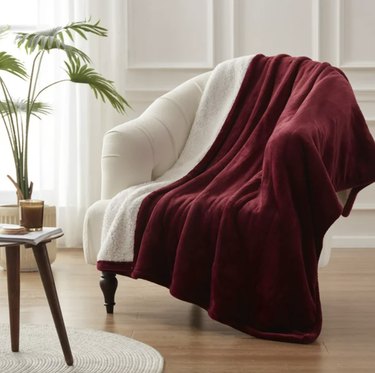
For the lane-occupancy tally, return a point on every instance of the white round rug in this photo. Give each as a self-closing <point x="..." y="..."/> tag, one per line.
<point x="93" y="352"/>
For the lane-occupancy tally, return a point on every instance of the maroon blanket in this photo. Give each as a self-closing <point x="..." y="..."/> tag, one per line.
<point x="241" y="234"/>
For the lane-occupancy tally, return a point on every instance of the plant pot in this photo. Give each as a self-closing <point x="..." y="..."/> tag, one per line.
<point x="9" y="214"/>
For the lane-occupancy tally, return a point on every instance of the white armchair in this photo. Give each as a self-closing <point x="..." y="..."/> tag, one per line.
<point x="143" y="149"/>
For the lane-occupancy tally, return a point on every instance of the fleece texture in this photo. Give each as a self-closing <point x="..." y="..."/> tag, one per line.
<point x="241" y="233"/>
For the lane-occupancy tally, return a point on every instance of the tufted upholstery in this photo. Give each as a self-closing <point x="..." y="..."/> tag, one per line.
<point x="144" y="148"/>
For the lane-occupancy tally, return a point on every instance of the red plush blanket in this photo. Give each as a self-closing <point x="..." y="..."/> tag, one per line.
<point x="241" y="234"/>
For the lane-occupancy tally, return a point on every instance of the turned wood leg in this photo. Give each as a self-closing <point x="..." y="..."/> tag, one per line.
<point x="44" y="266"/>
<point x="108" y="284"/>
<point x="13" y="278"/>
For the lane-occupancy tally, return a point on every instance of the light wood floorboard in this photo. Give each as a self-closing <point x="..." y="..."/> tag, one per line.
<point x="192" y="342"/>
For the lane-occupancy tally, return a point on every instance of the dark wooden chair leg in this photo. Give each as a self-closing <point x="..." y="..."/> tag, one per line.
<point x="108" y="284"/>
<point x="13" y="277"/>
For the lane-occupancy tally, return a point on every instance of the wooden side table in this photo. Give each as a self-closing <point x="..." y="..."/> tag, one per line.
<point x="12" y="250"/>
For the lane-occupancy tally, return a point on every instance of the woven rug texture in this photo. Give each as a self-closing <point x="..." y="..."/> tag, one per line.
<point x="93" y="352"/>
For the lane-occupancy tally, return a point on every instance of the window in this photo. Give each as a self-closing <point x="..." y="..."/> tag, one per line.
<point x="26" y="20"/>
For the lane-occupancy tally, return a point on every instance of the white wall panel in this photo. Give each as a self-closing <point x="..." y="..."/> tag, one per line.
<point x="366" y="101"/>
<point x="371" y="124"/>
<point x="365" y="200"/>
<point x="356" y="25"/>
<point x="357" y="230"/>
<point x="170" y="33"/>
<point x="361" y="79"/>
<point x="329" y="30"/>
<point x="272" y="27"/>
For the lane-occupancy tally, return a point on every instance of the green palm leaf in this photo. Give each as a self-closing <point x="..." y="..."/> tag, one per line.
<point x="3" y="30"/>
<point x="12" y="65"/>
<point x="101" y="87"/>
<point x="16" y="114"/>
<point x="54" y="38"/>
<point x="48" y="40"/>
<point x="44" y="39"/>
<point x="20" y="106"/>
<point x="84" y="27"/>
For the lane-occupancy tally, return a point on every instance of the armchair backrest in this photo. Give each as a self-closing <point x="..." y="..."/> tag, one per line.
<point x="142" y="149"/>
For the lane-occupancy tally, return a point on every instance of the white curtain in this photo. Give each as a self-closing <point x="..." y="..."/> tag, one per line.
<point x="72" y="138"/>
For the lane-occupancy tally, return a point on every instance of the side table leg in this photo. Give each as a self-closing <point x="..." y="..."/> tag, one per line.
<point x="44" y="266"/>
<point x="13" y="278"/>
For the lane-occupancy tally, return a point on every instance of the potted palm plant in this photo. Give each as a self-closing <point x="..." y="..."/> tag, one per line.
<point x="17" y="112"/>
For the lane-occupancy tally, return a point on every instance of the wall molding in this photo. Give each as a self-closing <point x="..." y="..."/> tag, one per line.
<point x="235" y="28"/>
<point x="365" y="94"/>
<point x="316" y="32"/>
<point x="353" y="242"/>
<point x="364" y="206"/>
<point x="341" y="13"/>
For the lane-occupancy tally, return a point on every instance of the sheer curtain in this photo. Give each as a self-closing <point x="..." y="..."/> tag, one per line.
<point x="70" y="160"/>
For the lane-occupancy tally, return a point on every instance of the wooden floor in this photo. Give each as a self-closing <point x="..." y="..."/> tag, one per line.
<point x="191" y="342"/>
